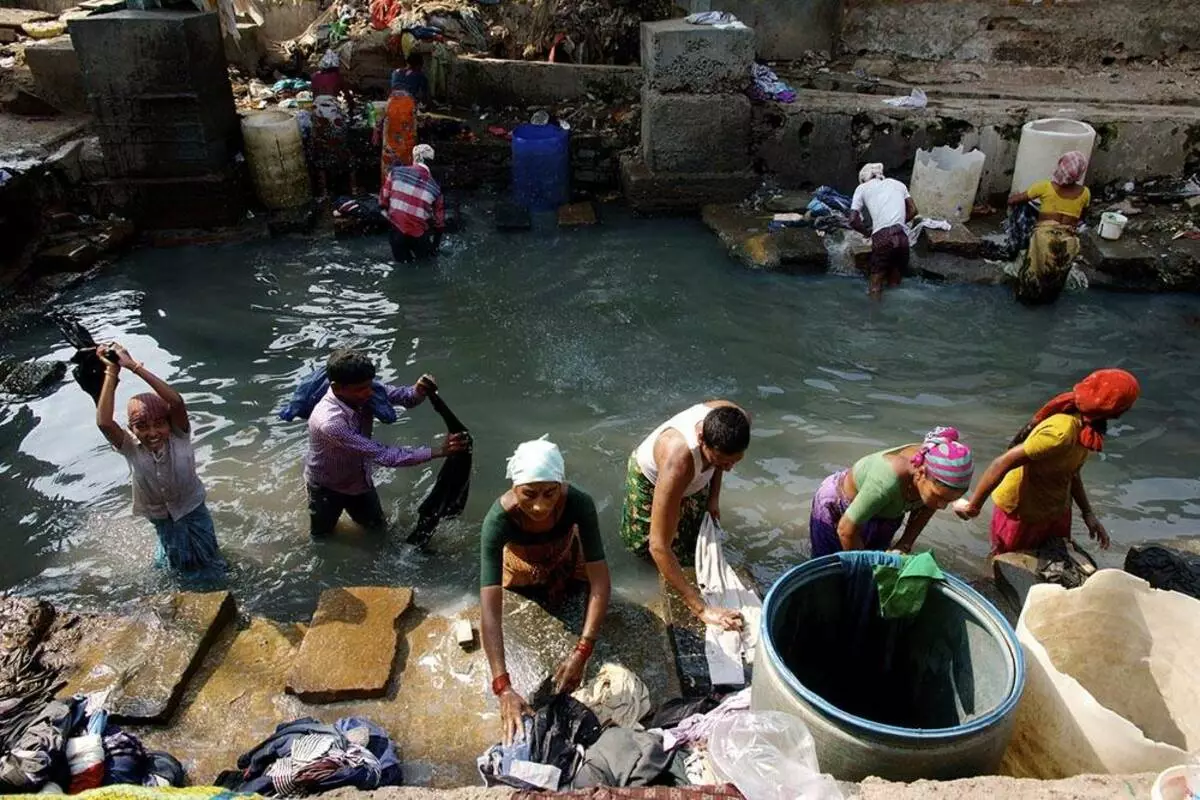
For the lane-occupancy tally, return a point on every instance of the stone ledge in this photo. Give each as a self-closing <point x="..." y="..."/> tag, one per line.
<point x="652" y="192"/>
<point x="695" y="132"/>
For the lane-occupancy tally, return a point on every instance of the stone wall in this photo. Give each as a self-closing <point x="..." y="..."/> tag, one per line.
<point x="1048" y="32"/>
<point x="496" y="82"/>
<point x="786" y="29"/>
<point x="826" y="136"/>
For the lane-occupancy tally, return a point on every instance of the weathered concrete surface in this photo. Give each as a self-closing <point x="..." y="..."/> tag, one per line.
<point x="14" y="18"/>
<point x="1083" y="787"/>
<point x="785" y="29"/>
<point x="55" y="69"/>
<point x="1125" y="263"/>
<point x="949" y="268"/>
<point x="30" y="377"/>
<point x="695" y="133"/>
<point x="350" y="647"/>
<point x="745" y="233"/>
<point x="999" y="30"/>
<point x="146" y="658"/>
<point x="696" y="59"/>
<point x="659" y="192"/>
<point x="285" y="19"/>
<point x="824" y="137"/>
<point x="497" y="82"/>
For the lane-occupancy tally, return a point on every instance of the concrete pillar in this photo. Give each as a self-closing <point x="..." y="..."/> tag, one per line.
<point x="55" y="70"/>
<point x="157" y="85"/>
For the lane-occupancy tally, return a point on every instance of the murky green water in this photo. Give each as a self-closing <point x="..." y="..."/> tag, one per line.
<point x="591" y="336"/>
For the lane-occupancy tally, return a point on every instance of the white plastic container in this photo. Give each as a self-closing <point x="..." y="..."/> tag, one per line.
<point x="275" y="155"/>
<point x="945" y="181"/>
<point x="1172" y="784"/>
<point x="1043" y="143"/>
<point x="1112" y="225"/>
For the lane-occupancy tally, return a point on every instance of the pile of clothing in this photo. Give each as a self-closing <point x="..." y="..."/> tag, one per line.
<point x="613" y="740"/>
<point x="308" y="757"/>
<point x="71" y="747"/>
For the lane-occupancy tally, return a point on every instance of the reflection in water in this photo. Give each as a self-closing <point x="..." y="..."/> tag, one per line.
<point x="591" y="336"/>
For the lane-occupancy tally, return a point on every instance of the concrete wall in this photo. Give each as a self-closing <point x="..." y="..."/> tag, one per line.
<point x="1063" y="32"/>
<point x="495" y="82"/>
<point x="786" y="28"/>
<point x="286" y="19"/>
<point x="825" y="137"/>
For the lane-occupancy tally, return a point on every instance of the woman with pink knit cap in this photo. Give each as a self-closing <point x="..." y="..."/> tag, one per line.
<point x="863" y="508"/>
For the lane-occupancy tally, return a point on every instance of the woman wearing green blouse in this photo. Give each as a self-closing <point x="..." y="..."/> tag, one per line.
<point x="541" y="535"/>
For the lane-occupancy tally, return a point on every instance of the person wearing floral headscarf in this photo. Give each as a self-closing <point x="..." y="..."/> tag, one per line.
<point x="1054" y="243"/>
<point x="1033" y="483"/>
<point x="863" y="508"/>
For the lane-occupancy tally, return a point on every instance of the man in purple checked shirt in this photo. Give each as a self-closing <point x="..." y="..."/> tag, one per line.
<point x="341" y="453"/>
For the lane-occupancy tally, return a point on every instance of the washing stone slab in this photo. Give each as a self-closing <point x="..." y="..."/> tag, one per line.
<point x="146" y="658"/>
<point x="350" y="648"/>
<point x="957" y="241"/>
<point x="14" y="18"/>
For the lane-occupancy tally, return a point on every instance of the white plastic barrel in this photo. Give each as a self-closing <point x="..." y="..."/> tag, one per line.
<point x="945" y="181"/>
<point x="275" y="154"/>
<point x="1112" y="225"/>
<point x="1043" y="143"/>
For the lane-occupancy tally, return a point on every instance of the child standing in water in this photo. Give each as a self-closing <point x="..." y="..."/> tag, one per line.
<point x="162" y="464"/>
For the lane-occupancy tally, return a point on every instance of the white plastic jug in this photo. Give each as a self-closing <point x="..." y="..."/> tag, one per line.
<point x="945" y="181"/>
<point x="1112" y="225"/>
<point x="1043" y="143"/>
<point x="275" y="155"/>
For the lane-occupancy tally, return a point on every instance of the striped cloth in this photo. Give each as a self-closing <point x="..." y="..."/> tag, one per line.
<point x="412" y="199"/>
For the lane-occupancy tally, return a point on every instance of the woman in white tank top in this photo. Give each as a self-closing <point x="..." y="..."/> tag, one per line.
<point x="673" y="480"/>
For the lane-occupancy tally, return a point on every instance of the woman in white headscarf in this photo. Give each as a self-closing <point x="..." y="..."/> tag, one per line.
<point x="541" y="535"/>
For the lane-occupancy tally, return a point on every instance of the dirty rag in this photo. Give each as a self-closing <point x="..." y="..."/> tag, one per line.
<point x="616" y="695"/>
<point x="696" y="729"/>
<point x="721" y="20"/>
<point x="902" y="589"/>
<point x="621" y="757"/>
<point x="833" y="198"/>
<point x="914" y="231"/>
<point x="766" y="85"/>
<point x="917" y="99"/>
<point x="727" y="652"/>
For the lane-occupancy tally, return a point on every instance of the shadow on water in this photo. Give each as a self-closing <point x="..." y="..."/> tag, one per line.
<point x="593" y="336"/>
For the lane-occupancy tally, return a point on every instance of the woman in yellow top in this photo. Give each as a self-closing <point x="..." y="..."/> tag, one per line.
<point x="1032" y="485"/>
<point x="1054" y="243"/>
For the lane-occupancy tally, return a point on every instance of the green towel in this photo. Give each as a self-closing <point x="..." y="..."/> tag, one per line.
<point x="902" y="589"/>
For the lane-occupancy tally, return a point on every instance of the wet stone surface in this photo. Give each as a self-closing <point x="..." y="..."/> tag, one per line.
<point x="146" y="658"/>
<point x="350" y="647"/>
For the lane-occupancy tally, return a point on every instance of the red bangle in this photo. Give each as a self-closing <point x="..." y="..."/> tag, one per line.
<point x="501" y="684"/>
<point x="585" y="648"/>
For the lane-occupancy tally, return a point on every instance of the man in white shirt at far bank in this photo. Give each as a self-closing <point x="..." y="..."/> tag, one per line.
<point x="890" y="207"/>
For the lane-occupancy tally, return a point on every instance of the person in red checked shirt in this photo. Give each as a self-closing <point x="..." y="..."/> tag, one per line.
<point x="411" y="200"/>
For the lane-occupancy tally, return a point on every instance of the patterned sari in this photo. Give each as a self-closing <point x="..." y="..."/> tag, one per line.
<point x="635" y="516"/>
<point x="399" y="132"/>
<point x="1052" y="248"/>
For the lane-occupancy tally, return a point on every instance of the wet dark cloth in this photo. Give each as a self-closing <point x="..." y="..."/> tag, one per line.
<point x="125" y="759"/>
<point x="726" y="792"/>
<point x="407" y="249"/>
<point x="415" y="83"/>
<point x="38" y="755"/>
<point x="558" y="727"/>
<point x="1019" y="227"/>
<point x="343" y="762"/>
<point x="623" y="757"/>
<point x="325" y="507"/>
<point x="676" y="710"/>
<point x="1165" y="568"/>
<point x="889" y="251"/>
<point x="453" y="484"/>
<point x="313" y="388"/>
<point x="89" y="369"/>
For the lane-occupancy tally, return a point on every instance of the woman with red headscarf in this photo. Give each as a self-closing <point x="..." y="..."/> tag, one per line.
<point x="1032" y="485"/>
<point x="1054" y="243"/>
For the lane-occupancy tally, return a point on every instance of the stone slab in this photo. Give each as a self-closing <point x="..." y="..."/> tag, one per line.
<point x="55" y="70"/>
<point x="350" y="647"/>
<point x="660" y="192"/>
<point x="695" y="133"/>
<point x="1128" y="263"/>
<point x="8" y="35"/>
<point x="697" y="59"/>
<point x="746" y="234"/>
<point x="575" y="215"/>
<point x="958" y="241"/>
<point x="145" y="659"/>
<point x="13" y="18"/>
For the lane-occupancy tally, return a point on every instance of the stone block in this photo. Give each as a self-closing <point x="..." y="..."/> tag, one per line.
<point x="14" y="18"/>
<point x="78" y="255"/>
<point x="1127" y="263"/>
<point x="957" y="241"/>
<point x="55" y="70"/>
<point x="785" y="30"/>
<point x="145" y="659"/>
<point x="350" y="647"/>
<point x="749" y="239"/>
<point x="653" y="192"/>
<point x="680" y="57"/>
<point x="204" y="202"/>
<point x="575" y="215"/>
<point x="8" y="35"/>
<point x="695" y="133"/>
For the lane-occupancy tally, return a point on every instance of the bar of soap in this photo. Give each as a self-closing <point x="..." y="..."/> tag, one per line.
<point x="463" y="633"/>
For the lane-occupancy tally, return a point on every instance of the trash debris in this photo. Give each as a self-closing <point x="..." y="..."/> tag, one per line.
<point x="767" y="85"/>
<point x="722" y="20"/>
<point x="914" y="231"/>
<point x="463" y="633"/>
<point x="917" y="99"/>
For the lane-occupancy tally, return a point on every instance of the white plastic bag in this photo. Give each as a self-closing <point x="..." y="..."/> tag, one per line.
<point x="1112" y="679"/>
<point x="769" y="755"/>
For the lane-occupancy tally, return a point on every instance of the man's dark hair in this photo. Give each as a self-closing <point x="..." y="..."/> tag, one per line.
<point x="727" y="430"/>
<point x="348" y="367"/>
<point x="415" y="61"/>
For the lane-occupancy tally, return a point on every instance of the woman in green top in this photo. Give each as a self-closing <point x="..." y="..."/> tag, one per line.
<point x="863" y="508"/>
<point x="540" y="535"/>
